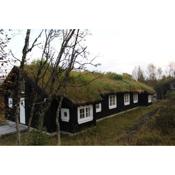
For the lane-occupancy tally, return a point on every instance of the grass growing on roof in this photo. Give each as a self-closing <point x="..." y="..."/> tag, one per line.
<point x="88" y="87"/>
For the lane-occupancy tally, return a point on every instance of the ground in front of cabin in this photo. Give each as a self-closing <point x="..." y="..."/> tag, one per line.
<point x="141" y="126"/>
<point x="2" y="119"/>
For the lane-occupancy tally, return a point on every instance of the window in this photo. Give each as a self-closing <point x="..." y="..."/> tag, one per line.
<point x="85" y="114"/>
<point x="65" y="115"/>
<point x="126" y="99"/>
<point x="135" y="98"/>
<point x="112" y="101"/>
<point x="10" y="102"/>
<point x="149" y="98"/>
<point x="98" y="107"/>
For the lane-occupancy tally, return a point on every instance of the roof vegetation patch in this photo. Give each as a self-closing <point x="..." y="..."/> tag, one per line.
<point x="86" y="87"/>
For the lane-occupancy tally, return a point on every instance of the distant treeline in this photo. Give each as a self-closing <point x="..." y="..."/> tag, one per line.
<point x="153" y="75"/>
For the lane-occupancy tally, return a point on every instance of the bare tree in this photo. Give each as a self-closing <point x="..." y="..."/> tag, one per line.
<point x="4" y="40"/>
<point x="151" y="72"/>
<point x="138" y="74"/>
<point x="20" y="81"/>
<point x="71" y="54"/>
<point x="159" y="73"/>
<point x="171" y="69"/>
<point x="44" y="63"/>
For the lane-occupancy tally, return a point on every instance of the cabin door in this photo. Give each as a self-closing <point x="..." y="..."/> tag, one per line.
<point x="22" y="111"/>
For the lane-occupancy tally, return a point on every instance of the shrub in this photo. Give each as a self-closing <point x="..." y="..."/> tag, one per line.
<point x="38" y="138"/>
<point x="127" y="76"/>
<point x="114" y="76"/>
<point x="170" y="95"/>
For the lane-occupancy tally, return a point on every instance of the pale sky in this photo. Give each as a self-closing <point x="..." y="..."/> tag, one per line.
<point x="128" y="34"/>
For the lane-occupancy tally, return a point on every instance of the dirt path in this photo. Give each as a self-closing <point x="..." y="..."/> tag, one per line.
<point x="131" y="132"/>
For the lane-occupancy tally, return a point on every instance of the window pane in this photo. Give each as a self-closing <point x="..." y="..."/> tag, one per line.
<point x="65" y="114"/>
<point x="87" y="112"/>
<point x="97" y="106"/>
<point x="112" y="100"/>
<point x="82" y="114"/>
<point x="135" y="98"/>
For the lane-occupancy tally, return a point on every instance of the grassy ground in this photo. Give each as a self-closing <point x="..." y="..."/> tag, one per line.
<point x="107" y="132"/>
<point x="159" y="130"/>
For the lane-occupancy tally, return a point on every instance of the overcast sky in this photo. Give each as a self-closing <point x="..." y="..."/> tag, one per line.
<point x="138" y="33"/>
<point x="143" y="31"/>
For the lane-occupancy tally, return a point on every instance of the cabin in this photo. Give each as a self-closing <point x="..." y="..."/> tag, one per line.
<point x="88" y="98"/>
<point x="164" y="87"/>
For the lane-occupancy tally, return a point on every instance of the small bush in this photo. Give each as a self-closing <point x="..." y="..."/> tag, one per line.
<point x="170" y="95"/>
<point x="127" y="76"/>
<point x="114" y="76"/>
<point x="165" y="120"/>
<point x="37" y="138"/>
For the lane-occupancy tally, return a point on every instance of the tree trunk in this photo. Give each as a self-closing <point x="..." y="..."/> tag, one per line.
<point x="43" y="111"/>
<point x="18" y="139"/>
<point x="32" y="113"/>
<point x="20" y="91"/>
<point x="57" y="120"/>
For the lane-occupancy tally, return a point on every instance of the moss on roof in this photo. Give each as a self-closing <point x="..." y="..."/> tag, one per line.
<point x="86" y="87"/>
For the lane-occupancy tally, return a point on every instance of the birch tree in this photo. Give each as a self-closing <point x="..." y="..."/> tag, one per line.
<point x="138" y="74"/>
<point x="70" y="54"/>
<point x="4" y="40"/>
<point x="20" y="81"/>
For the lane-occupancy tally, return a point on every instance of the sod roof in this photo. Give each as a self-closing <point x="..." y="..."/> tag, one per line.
<point x="88" y="87"/>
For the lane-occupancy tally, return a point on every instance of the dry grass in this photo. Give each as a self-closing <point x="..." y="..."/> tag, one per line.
<point x="106" y="132"/>
<point x="152" y="134"/>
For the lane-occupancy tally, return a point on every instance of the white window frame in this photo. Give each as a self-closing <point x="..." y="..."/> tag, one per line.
<point x="86" y="117"/>
<point x="98" y="107"/>
<point x="10" y="102"/>
<point x="149" y="98"/>
<point x="135" y="98"/>
<point x="126" y="99"/>
<point x="113" y="99"/>
<point x="63" y="117"/>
